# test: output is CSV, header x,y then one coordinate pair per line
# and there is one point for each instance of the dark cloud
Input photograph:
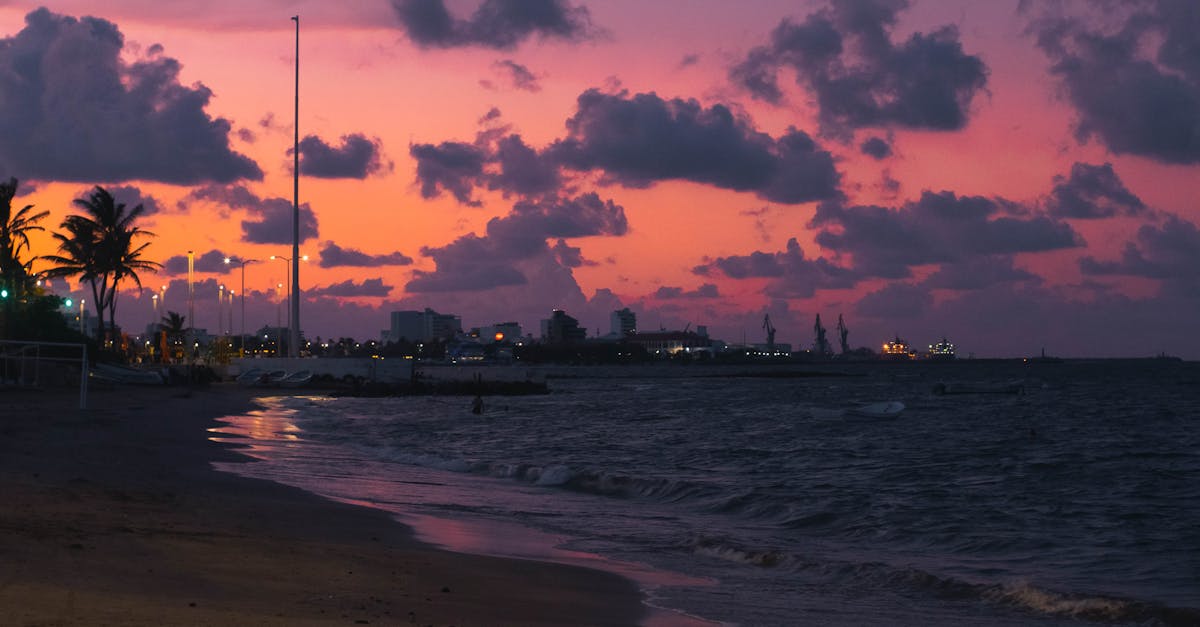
x,y
977,273
132,196
504,163
707,290
498,24
896,301
212,261
792,274
334,256
570,256
644,139
877,148
845,57
1133,102
269,220
357,157
689,60
478,263
74,109
1092,191
523,170
350,289
451,166
518,75
273,223
1170,252
938,228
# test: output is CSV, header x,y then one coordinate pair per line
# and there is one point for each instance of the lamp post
x,y
294,313
220,304
289,288
242,337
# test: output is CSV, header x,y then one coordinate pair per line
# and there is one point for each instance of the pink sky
x,y
674,183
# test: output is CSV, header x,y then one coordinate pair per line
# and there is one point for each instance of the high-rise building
x,y
423,326
560,328
623,323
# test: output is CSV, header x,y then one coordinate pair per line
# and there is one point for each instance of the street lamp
x,y
289,286
242,337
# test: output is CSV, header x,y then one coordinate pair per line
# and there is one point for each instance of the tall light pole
x,y
242,338
220,304
289,290
294,322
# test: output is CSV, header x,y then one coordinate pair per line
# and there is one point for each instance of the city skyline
x,y
1000,174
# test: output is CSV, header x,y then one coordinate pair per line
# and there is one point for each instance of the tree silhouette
x,y
99,246
14,237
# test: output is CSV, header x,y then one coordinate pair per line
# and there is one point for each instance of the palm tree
x,y
14,237
99,246
172,326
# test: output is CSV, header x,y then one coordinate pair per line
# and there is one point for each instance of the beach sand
x,y
113,516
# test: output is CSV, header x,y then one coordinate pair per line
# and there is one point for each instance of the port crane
x,y
821,346
843,332
770,329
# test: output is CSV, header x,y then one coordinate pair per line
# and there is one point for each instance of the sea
x,y
757,497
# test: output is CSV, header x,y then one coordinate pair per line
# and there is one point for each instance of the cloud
x,y
273,223
977,273
269,220
350,289
473,263
689,60
938,228
357,157
497,24
334,256
74,109
212,261
876,148
518,75
792,274
1170,252
706,290
504,163
132,196
896,301
644,139
450,166
570,256
1092,191
845,57
1134,102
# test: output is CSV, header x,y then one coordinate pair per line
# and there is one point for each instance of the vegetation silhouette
x,y
99,246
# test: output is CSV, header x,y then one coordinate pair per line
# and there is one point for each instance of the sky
x,y
1012,176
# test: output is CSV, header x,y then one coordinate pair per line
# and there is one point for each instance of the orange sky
x,y
362,73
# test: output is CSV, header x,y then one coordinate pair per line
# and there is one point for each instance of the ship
x,y
896,350
942,351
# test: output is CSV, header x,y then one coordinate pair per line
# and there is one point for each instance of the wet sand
x,y
114,516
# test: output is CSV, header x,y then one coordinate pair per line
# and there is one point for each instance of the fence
x,y
21,363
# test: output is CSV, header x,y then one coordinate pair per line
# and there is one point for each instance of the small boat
x,y
250,377
886,409
125,374
273,377
296,379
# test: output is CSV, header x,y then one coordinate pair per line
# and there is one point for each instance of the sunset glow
x,y
1008,178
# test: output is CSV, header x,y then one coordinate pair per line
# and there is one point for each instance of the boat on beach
x,y
125,374
300,378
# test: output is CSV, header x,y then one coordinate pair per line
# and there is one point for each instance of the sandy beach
x,y
113,516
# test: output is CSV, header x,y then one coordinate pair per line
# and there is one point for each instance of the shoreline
x,y
115,515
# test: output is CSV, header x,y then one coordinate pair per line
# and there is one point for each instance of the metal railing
x,y
21,362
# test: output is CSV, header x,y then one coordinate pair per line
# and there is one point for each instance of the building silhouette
x,y
623,323
423,326
560,328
